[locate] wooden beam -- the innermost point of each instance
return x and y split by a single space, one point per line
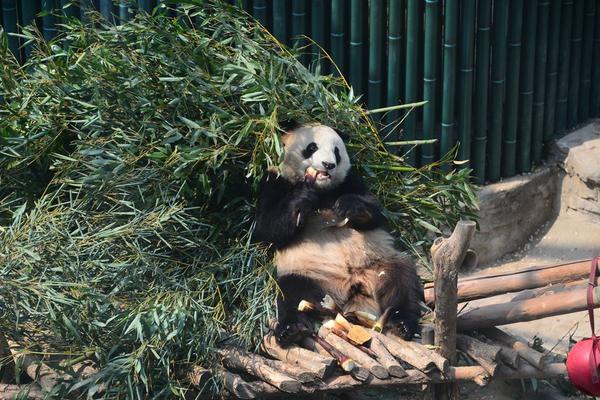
477 287
530 355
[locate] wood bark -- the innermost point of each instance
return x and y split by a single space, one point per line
406 353
386 359
293 371
483 353
34 367
477 287
448 255
7 369
321 366
11 392
440 362
532 356
564 302
357 372
199 376
256 365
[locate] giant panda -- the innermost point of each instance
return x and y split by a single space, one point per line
328 233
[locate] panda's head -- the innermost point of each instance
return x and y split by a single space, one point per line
316 154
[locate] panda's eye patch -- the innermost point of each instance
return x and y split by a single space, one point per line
310 150
338 158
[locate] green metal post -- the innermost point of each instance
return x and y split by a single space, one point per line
482 79
499 33
9 23
337 34
357 51
280 20
539 91
48 20
595 102
447 137
376 38
586 61
299 27
259 11
575 66
526 89
509 142
430 69
394 67
552 70
563 66
413 26
465 79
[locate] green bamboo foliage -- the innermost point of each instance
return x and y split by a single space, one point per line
526 89
480 106
9 23
357 46
586 61
552 69
563 66
447 138
465 78
68 7
260 12
575 64
509 141
318 34
539 92
338 9
413 26
595 102
280 26
299 27
499 33
376 40
48 20
395 65
431 51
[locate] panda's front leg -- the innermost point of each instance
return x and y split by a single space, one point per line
292 324
363 211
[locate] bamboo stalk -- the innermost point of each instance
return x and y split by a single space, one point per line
376 40
586 61
484 16
413 26
465 79
575 65
145 5
123 11
431 50
317 29
394 62
499 34
280 20
524 130
337 34
509 139
48 20
259 11
448 139
552 70
539 91
563 66
356 66
595 102
299 27
9 24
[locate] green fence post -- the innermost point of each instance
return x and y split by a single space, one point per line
509 142
357 53
539 91
299 27
499 32
526 90
465 79
552 70
447 137
480 106
430 69
280 26
9 23
586 61
563 66
318 34
395 66
413 26
595 101
338 46
376 38
575 64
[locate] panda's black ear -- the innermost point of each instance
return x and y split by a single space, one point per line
289 124
345 137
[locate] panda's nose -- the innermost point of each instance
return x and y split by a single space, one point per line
328 166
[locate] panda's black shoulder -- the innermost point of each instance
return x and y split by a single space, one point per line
353 184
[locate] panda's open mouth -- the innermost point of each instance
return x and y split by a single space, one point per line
312 174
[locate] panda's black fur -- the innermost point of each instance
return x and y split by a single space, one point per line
316 252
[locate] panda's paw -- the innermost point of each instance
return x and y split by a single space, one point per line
287 333
354 208
406 328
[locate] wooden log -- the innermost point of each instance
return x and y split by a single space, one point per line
532 356
509 356
386 359
358 372
293 371
242 389
440 362
550 289
11 392
406 353
353 352
448 255
565 302
483 353
35 368
7 368
321 366
427 336
256 365
336 328
477 287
